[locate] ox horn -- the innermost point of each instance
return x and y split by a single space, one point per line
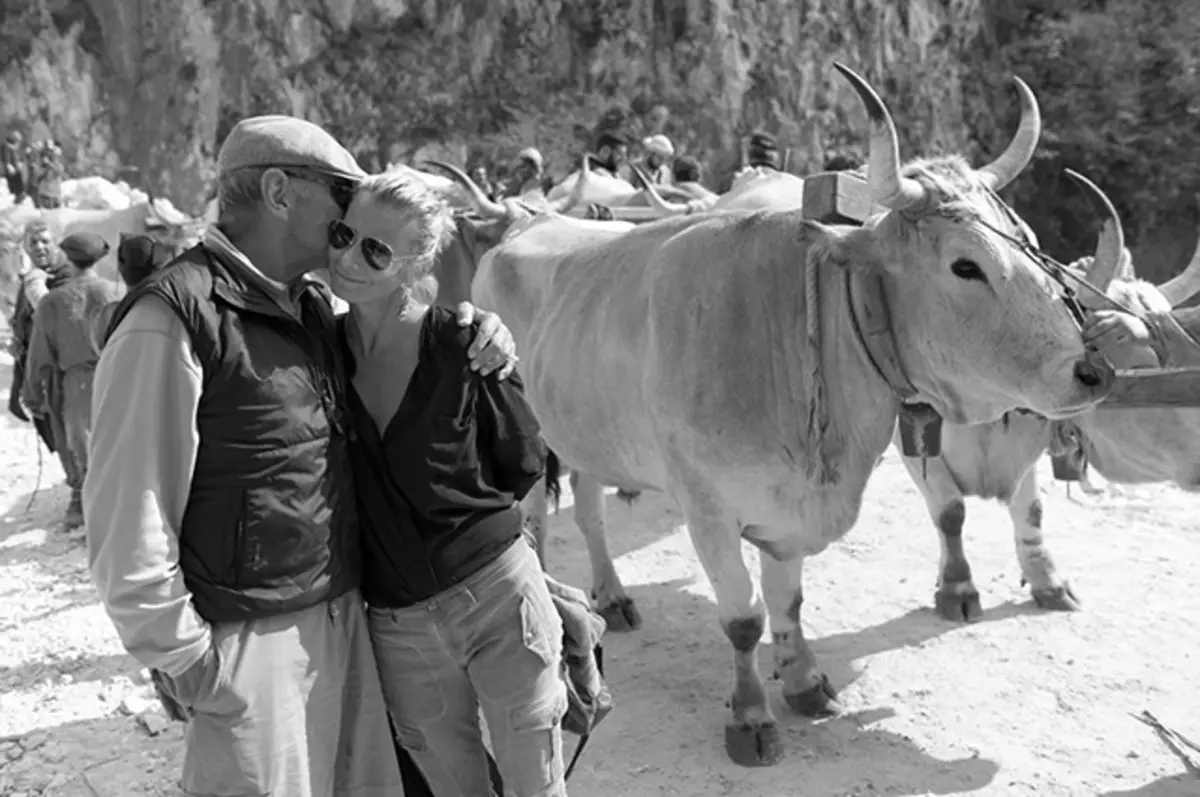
657 202
1184 286
1004 169
1111 243
888 187
484 205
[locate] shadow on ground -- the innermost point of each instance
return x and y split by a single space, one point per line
1170 786
840 755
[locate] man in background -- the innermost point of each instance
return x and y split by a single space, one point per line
61 360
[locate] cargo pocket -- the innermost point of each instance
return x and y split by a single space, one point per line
542 714
533 752
539 634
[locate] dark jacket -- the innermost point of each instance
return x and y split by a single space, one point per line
270 524
438 489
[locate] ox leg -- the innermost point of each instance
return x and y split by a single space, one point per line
805 688
617 608
535 514
956 598
751 733
1037 565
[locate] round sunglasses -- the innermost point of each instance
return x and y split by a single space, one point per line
342 236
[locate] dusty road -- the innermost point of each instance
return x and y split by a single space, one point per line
1021 703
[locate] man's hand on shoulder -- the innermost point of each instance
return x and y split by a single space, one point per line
493 349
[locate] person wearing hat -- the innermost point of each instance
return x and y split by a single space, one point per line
222 531
659 152
61 360
138 256
526 174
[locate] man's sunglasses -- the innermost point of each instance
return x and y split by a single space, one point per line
342 236
341 190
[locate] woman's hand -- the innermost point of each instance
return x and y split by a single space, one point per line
493 349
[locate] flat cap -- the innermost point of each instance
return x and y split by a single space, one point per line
283 141
84 248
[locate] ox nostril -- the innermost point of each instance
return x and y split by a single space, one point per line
1094 373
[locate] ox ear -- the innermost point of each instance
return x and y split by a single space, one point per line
844 247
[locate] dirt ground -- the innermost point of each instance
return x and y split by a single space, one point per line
1023 702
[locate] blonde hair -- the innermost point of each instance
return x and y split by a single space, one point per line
418 205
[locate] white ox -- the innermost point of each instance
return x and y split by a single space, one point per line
754 188
998 460
689 356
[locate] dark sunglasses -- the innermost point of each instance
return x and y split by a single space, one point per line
341 190
342 236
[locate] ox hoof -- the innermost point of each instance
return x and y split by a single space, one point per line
816 701
958 603
1058 599
753 745
621 615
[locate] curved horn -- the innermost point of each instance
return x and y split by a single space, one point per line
888 187
657 202
1004 169
561 206
1111 242
484 205
1184 286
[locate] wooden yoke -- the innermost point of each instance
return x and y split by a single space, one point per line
837 198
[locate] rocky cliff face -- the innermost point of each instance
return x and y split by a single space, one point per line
156 83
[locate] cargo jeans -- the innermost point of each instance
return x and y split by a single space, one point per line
493 641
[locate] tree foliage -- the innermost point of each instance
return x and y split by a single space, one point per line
158 85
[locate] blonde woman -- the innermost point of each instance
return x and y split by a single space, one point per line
460 615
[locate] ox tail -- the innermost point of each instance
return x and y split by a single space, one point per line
628 496
553 472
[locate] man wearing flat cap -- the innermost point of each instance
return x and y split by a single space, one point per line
222 529
61 361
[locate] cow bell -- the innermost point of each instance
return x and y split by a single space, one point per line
1069 467
920 431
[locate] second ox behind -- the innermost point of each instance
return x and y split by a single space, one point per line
688 356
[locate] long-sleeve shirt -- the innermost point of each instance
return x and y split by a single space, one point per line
144 401
437 488
145 397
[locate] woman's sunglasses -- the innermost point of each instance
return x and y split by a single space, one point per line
377 254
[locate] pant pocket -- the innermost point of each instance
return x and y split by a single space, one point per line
530 753
539 633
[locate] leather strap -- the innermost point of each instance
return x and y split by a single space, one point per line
871 318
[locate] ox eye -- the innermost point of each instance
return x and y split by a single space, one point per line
968 270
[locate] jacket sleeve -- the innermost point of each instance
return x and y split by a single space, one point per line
511 432
146 393
41 358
